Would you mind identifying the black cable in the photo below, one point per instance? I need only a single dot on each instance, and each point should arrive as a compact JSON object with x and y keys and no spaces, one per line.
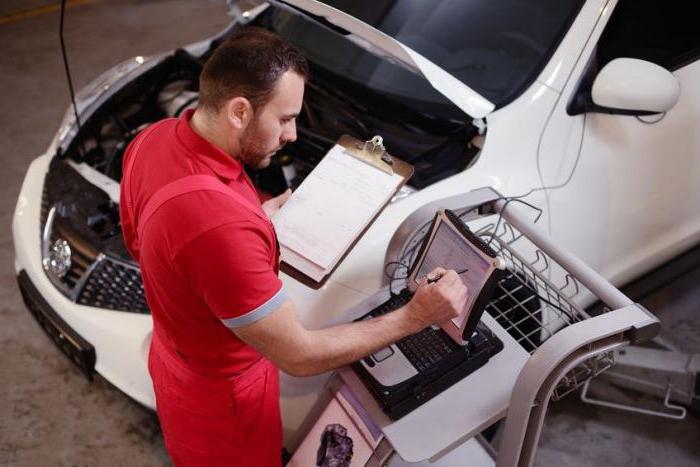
{"x":70,"y":80}
{"x":407,"y":254}
{"x":392,"y":277}
{"x":651,"y":122}
{"x":500,"y":214}
{"x":573,"y":169}
{"x":400,"y":264}
{"x":509,"y":199}
{"x":542,"y":188}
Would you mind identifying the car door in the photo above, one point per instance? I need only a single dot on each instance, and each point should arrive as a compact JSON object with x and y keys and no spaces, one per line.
{"x":627,"y":187}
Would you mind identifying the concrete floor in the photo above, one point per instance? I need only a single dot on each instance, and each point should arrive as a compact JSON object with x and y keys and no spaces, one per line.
{"x":50,"y":415}
{"x":577,"y":434}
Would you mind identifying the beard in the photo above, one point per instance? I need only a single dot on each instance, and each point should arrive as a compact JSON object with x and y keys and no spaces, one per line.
{"x":254,"y":152}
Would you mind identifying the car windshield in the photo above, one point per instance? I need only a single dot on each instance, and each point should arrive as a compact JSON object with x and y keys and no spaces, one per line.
{"x":496,"y":47}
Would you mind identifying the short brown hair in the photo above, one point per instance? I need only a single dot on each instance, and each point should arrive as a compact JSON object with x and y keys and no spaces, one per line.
{"x":248,"y":64}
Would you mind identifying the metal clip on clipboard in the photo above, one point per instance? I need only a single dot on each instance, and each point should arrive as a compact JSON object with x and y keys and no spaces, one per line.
{"x":371,"y":151}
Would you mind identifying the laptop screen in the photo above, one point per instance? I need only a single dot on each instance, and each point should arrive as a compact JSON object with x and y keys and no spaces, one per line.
{"x":449,"y":249}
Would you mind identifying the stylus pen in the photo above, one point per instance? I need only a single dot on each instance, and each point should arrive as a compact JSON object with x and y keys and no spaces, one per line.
{"x":439,"y":276}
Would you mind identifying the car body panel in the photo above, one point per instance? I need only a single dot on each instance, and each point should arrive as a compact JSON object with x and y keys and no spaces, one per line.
{"x":459,"y":93}
{"x":585,"y":29}
{"x":663,"y":226}
{"x":626,"y":158}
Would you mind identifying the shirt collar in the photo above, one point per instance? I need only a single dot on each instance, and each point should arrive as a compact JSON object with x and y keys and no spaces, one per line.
{"x":220,"y":162}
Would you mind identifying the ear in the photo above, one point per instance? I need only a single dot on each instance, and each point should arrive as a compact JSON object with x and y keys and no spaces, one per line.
{"x":239,"y":112}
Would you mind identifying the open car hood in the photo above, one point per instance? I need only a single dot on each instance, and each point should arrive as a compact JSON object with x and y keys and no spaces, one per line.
{"x":375,"y":41}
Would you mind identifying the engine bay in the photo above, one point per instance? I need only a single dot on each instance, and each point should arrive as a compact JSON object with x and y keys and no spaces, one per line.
{"x":437,"y":146}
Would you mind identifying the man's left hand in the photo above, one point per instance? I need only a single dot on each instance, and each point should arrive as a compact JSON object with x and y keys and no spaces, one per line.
{"x":271,"y":206}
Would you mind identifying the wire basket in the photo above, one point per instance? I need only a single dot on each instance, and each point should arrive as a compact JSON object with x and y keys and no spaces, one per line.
{"x":528,"y":304}
{"x":537,"y":298}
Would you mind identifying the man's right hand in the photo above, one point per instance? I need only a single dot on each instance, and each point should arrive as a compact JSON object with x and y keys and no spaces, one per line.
{"x":437,"y":300}
{"x":282,"y":338}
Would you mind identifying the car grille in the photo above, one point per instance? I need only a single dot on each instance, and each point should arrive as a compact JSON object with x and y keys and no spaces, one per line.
{"x":93,"y":278}
{"x":114,"y":285}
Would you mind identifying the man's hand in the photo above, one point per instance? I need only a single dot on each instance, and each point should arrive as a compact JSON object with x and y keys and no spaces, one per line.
{"x":271,"y":206}
{"x":440,"y":297}
{"x":282,"y":338}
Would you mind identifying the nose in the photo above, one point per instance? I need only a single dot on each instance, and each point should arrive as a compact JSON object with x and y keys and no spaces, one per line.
{"x":289,"y":135}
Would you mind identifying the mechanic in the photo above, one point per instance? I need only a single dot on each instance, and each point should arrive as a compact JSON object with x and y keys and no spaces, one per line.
{"x":222,"y":324}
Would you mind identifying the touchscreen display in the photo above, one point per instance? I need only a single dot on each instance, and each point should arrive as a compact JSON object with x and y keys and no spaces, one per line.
{"x":450,"y":250}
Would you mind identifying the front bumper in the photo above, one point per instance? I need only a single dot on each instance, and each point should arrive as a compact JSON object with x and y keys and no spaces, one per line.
{"x":120,"y":340}
{"x":72,"y":344}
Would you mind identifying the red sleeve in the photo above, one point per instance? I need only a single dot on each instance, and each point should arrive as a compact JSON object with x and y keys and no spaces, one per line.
{"x":128,"y":230}
{"x":230,"y":268}
{"x":127,"y":226}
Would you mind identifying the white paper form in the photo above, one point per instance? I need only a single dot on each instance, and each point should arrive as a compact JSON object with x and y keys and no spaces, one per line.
{"x":332,"y":206}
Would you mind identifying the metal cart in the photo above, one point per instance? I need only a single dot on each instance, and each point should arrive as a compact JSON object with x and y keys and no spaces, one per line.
{"x":552,"y":345}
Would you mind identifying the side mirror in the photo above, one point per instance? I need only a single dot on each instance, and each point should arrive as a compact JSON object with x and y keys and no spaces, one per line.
{"x":628,"y":86}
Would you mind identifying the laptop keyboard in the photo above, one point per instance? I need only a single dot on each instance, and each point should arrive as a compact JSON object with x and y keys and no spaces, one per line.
{"x":439,"y":361}
{"x":425,"y":348}
{"x":394,"y":302}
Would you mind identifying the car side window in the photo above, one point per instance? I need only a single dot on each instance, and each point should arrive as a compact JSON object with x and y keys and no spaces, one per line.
{"x":662,"y":32}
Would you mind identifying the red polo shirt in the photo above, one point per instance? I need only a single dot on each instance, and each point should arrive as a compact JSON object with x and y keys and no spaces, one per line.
{"x":209,"y":264}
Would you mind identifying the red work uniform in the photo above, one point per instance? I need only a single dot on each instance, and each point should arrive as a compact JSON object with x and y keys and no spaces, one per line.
{"x":209,"y":259}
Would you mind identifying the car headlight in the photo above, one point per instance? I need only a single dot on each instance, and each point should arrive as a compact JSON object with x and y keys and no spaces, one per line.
{"x":57,"y":259}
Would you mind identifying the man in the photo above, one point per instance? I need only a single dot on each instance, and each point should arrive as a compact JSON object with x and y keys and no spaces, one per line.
{"x":222,"y":324}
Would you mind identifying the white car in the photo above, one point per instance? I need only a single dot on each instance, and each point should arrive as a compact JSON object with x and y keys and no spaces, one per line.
{"x":597,"y":100}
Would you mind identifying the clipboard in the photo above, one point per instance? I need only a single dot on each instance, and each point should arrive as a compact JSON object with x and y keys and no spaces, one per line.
{"x":373,"y":153}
